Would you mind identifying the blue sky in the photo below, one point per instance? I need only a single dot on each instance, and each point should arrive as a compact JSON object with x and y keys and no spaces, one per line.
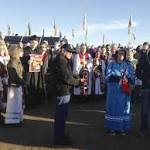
{"x":103,"y":16}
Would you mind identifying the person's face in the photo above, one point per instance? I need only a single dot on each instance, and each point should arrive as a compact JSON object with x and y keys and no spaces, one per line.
{"x":44,"y":47}
{"x":83,"y":49}
{"x":34,"y":44}
{"x":146,"y":47}
{"x":131,"y":55}
{"x":103,"y":52}
{"x":108,"y":47}
{"x":128,"y":56}
{"x":120,"y":56}
{"x":68,"y":55}
{"x":98,"y":54}
{"x":114,"y":49}
{"x":99,"y":49}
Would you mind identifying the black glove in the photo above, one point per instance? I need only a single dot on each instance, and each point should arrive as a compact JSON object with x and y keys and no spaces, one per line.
{"x":76,"y":76}
{"x":114,"y":78}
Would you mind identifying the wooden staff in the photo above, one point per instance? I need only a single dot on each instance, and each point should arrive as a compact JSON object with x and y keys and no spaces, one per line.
{"x":21,"y":39}
{"x":40,"y":40}
{"x":20,"y":42}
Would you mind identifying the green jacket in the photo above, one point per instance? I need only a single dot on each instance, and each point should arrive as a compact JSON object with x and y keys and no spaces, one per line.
{"x":63,"y":76}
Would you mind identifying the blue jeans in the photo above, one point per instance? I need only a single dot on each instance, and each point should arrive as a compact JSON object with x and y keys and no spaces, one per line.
{"x":61,"y":115}
{"x":145,"y":99}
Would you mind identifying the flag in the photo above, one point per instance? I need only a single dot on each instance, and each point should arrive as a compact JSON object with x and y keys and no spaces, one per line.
{"x":85,"y":23}
{"x":103,"y":40}
{"x":8,"y":30}
{"x":134,"y":37}
{"x":129,"y":25}
{"x":29,"y":29}
{"x":55,"y":29}
{"x":43,"y":32}
{"x":73,"y":33}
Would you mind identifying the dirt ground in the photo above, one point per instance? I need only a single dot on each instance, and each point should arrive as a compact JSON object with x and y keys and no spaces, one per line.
{"x":86,"y":125}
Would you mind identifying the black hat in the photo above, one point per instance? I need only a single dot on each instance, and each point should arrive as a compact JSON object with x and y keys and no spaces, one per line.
{"x":145,"y":43}
{"x":34,"y":37}
{"x":68,"y":48}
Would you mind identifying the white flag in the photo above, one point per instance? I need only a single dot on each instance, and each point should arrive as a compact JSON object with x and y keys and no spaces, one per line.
{"x":85,"y":23}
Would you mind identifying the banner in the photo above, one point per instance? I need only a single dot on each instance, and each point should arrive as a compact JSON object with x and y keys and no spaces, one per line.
{"x":35,"y":63}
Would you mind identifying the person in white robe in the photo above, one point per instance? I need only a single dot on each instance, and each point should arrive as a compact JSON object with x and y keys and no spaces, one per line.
{"x":83,"y":59}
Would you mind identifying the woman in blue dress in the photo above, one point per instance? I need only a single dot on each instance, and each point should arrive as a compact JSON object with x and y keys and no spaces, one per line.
{"x":118,"y":116}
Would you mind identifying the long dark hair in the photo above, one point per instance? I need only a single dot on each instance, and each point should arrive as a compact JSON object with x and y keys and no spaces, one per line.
{"x":118,"y":51}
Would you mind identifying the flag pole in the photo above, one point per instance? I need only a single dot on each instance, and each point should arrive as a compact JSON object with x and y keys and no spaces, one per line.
{"x":72,"y":36}
{"x":21,"y":38}
{"x":86,"y":36}
{"x":72,"y":40}
{"x":8,"y":30}
{"x":43,"y":32}
{"x":129,"y":32}
{"x":134,"y":39}
{"x":103,"y":39}
{"x":85,"y":28}
{"x":29,"y":29}
{"x":54,"y":29}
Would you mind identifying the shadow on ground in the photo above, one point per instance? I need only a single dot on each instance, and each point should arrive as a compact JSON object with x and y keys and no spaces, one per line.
{"x":85,"y":124}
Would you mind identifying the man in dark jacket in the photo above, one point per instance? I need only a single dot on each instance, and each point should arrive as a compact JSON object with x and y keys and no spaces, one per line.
{"x":63,"y":81}
{"x":34,"y":80}
{"x":143,"y":73}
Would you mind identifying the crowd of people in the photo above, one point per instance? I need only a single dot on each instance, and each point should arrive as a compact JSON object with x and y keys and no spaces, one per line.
{"x":31,"y":73}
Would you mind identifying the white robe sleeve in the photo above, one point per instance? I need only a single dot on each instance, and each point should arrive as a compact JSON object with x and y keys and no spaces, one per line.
{"x":90,"y":63}
{"x":76,"y":64}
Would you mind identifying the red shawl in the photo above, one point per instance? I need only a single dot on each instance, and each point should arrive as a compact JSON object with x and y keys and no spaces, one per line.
{"x":86,"y":57}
